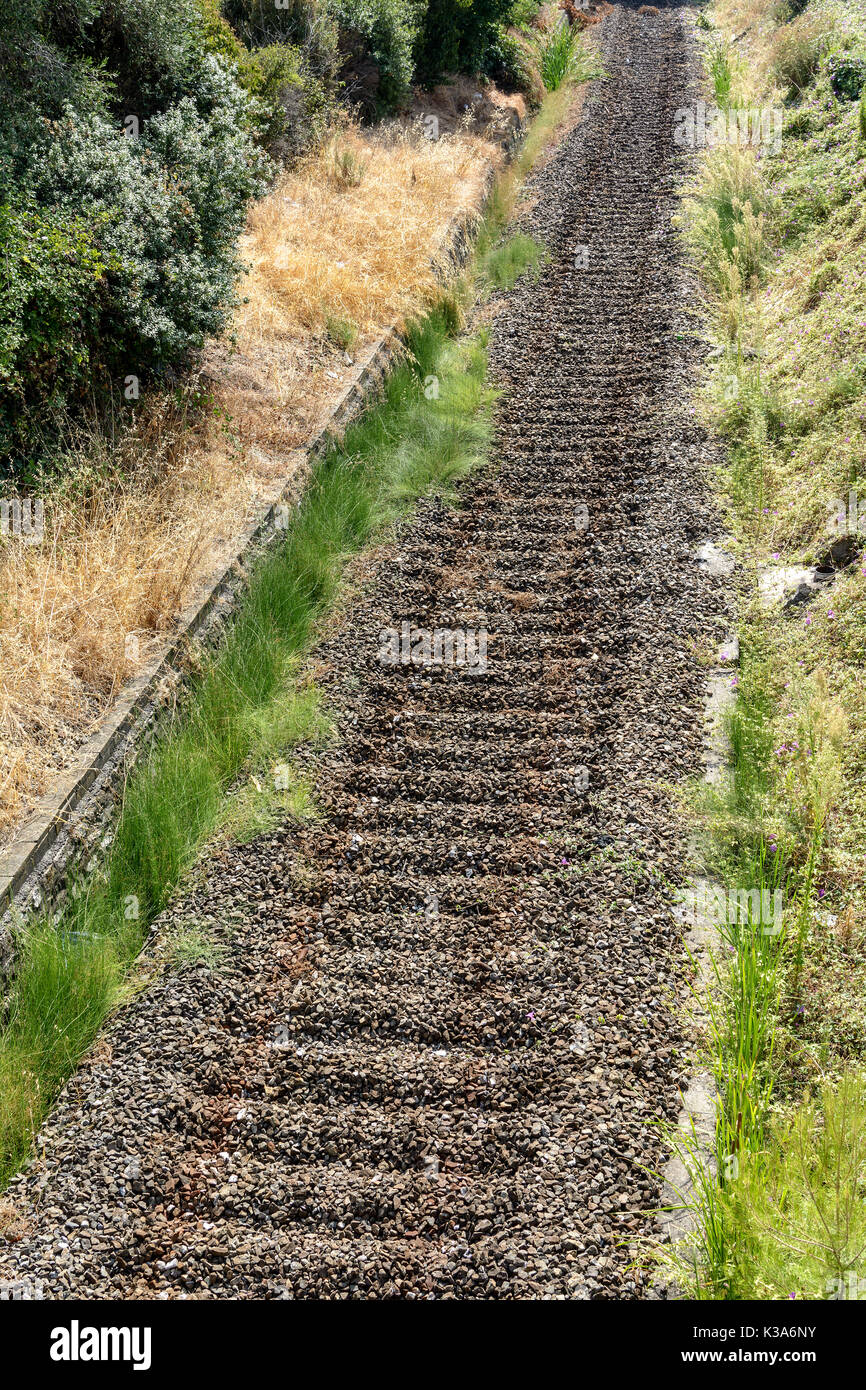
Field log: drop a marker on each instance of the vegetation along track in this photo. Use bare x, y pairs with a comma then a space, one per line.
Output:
445, 1017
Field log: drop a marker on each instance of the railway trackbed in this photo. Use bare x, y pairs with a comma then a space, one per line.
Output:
448, 1015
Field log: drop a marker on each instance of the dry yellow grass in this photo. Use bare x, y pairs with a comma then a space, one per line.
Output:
320, 247
141, 520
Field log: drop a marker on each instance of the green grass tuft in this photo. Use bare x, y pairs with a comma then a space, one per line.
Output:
503, 265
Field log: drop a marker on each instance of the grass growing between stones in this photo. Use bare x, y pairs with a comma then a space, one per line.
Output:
778, 238
216, 757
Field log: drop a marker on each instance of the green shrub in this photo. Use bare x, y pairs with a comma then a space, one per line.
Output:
381, 30
721, 71
163, 198
456, 35
150, 279
292, 100
522, 12
509, 63
291, 105
863, 114
822, 280
259, 22
219, 37
786, 10
801, 123
341, 331
51, 298
166, 211
847, 73
307, 25
38, 85
152, 50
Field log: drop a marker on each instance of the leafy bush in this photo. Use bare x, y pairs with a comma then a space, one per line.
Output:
801, 123
152, 49
456, 35
509, 62
38, 85
338, 37
260, 22
863, 114
292, 100
721, 71
786, 10
154, 272
522, 12
166, 211
847, 75
51, 299
306, 25
293, 106
384, 31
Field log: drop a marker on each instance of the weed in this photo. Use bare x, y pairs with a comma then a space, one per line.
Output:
349, 169
501, 266
797, 51
720, 69
556, 56
341, 331
193, 946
